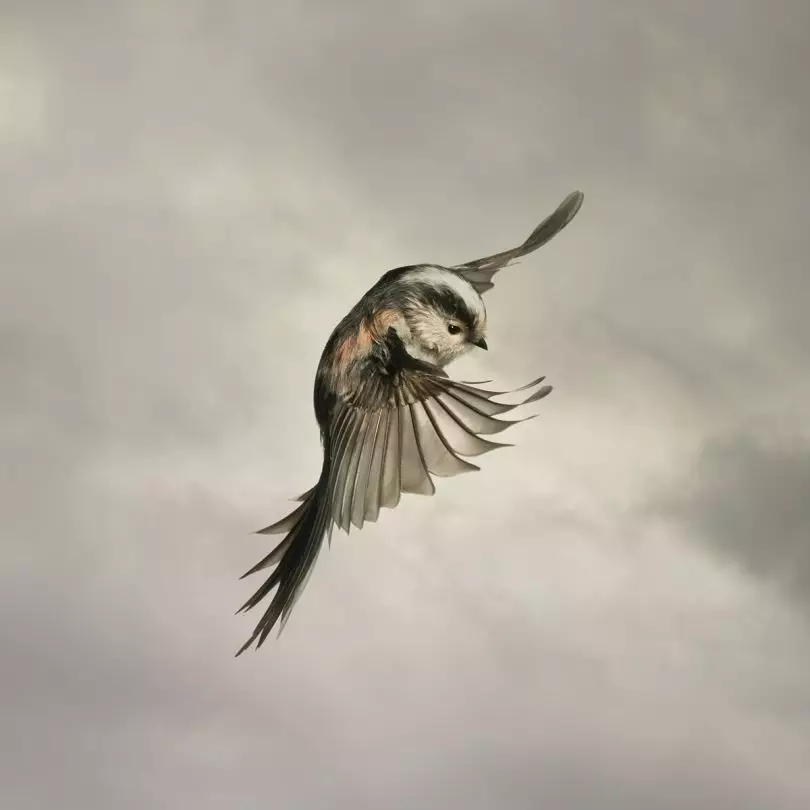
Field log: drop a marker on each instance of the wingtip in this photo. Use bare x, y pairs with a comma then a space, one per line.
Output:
498, 445
576, 197
541, 393
571, 204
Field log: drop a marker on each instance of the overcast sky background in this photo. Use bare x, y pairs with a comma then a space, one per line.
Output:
613, 614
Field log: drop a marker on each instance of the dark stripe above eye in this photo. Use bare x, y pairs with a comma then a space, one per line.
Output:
445, 300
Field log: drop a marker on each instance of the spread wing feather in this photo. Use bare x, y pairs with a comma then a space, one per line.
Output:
479, 272
422, 428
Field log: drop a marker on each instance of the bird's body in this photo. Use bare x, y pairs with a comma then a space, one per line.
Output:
389, 415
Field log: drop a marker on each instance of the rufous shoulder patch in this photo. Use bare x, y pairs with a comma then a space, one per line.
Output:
344, 353
383, 320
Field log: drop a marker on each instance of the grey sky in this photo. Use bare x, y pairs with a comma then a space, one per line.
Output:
613, 613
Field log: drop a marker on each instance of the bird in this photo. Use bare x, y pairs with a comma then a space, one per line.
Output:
389, 415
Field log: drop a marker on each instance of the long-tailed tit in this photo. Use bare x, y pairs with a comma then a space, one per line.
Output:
388, 413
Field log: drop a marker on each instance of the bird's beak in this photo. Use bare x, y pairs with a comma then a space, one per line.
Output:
480, 342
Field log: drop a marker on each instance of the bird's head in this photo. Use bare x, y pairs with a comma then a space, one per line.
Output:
445, 315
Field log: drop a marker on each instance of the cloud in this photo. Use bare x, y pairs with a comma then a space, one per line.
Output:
746, 499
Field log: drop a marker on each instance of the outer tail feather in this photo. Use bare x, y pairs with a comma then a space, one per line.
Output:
293, 557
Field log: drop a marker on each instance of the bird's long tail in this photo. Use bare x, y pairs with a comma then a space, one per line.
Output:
293, 558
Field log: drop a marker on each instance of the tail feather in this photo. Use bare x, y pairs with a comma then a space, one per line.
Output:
288, 521
273, 557
294, 558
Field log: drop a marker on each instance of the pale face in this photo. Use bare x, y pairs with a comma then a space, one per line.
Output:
444, 315
438, 338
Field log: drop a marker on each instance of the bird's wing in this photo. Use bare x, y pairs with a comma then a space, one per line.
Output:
399, 423
403, 424
479, 272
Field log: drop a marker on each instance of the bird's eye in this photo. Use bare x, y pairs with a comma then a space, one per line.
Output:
453, 328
